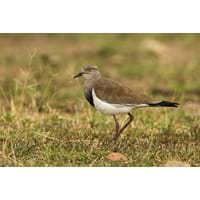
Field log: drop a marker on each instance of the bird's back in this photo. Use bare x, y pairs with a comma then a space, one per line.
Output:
115, 93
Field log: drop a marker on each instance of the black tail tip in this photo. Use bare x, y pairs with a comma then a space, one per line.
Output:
174, 104
165, 104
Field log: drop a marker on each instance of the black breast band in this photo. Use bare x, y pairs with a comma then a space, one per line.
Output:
88, 96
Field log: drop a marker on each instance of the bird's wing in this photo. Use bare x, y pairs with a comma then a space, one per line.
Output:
113, 92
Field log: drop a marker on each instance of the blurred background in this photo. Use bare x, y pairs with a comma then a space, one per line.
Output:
36, 70
46, 121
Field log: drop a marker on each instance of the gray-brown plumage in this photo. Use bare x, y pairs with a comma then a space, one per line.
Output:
112, 98
113, 92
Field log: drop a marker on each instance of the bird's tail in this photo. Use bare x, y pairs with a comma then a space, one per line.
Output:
164, 104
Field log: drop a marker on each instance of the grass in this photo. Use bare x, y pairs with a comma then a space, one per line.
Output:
45, 120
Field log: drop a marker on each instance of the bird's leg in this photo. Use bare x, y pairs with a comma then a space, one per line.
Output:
117, 128
130, 120
119, 131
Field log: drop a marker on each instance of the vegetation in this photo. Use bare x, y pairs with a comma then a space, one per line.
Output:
45, 120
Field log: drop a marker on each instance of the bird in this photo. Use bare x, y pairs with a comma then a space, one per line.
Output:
112, 98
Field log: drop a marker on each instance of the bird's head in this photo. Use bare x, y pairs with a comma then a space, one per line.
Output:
89, 72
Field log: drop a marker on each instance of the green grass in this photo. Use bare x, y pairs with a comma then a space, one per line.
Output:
45, 120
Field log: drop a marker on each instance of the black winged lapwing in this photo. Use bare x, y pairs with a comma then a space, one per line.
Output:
112, 98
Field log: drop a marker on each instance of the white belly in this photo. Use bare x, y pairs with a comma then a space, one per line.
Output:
108, 108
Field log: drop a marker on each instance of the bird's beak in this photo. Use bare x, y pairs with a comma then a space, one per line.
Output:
79, 74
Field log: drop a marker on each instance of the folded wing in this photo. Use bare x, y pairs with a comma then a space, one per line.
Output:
113, 92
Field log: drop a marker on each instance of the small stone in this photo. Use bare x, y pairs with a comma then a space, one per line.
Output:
114, 156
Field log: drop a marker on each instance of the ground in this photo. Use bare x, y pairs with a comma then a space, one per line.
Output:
45, 120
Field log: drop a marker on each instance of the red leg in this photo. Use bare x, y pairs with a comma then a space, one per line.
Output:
118, 130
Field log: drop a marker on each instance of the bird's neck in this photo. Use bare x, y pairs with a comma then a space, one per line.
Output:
89, 83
